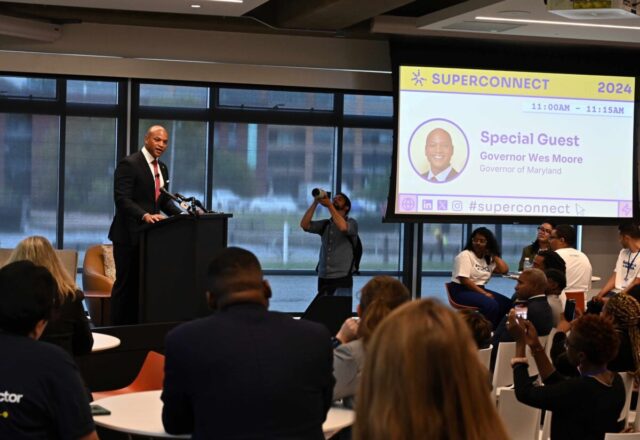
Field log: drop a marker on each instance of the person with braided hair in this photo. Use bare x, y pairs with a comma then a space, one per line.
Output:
624, 312
378, 298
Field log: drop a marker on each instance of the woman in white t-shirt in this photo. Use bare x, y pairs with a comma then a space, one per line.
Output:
472, 270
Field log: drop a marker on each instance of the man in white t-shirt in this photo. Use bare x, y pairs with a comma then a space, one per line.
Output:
563, 240
626, 273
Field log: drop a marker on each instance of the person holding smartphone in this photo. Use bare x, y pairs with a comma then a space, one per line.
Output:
472, 270
584, 407
531, 304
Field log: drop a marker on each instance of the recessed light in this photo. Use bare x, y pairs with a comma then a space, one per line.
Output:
195, 6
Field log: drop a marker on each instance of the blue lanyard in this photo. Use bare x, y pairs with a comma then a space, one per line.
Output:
629, 264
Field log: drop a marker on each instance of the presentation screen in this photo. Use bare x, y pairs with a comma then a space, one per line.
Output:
488, 143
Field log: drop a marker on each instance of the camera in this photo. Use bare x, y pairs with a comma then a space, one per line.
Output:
318, 193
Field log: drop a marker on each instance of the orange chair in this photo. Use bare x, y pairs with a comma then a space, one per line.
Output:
578, 297
454, 304
149, 378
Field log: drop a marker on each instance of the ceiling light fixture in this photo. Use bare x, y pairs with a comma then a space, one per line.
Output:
194, 6
557, 23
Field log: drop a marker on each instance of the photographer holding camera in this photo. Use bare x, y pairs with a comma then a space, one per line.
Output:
336, 261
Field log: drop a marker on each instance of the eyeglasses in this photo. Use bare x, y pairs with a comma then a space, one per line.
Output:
548, 231
479, 240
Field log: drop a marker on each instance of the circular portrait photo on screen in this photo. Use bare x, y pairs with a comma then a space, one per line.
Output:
438, 150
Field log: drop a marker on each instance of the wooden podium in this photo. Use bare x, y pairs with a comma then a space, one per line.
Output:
174, 256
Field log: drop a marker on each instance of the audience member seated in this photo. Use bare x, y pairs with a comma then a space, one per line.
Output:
41, 392
585, 407
556, 282
69, 326
422, 379
624, 312
626, 273
472, 270
245, 372
578, 273
480, 327
378, 298
541, 243
530, 297
549, 260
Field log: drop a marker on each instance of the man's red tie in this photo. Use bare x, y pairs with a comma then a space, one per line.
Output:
156, 174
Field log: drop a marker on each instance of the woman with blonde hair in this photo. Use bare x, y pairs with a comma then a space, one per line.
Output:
68, 326
422, 378
378, 298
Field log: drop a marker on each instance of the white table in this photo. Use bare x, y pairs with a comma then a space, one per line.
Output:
103, 342
141, 414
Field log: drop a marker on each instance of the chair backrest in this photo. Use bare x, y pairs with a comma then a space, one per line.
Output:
620, 436
94, 276
627, 379
547, 347
452, 302
521, 421
502, 370
485, 355
151, 373
68, 257
546, 426
331, 311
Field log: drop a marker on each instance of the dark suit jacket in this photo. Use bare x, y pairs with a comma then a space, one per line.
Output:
538, 312
452, 174
134, 194
247, 373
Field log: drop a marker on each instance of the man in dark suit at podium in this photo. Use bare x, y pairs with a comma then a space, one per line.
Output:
137, 182
245, 372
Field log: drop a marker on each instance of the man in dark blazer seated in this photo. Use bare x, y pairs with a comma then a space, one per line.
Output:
136, 187
438, 150
245, 372
531, 290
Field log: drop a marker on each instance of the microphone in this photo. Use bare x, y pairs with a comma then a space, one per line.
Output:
173, 197
167, 193
186, 199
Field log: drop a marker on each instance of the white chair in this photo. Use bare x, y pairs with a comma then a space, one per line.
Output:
549, 342
502, 371
521, 421
545, 434
627, 379
621, 436
485, 356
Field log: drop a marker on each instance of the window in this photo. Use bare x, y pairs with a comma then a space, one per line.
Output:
275, 99
366, 171
264, 175
92, 92
27, 88
367, 105
29, 153
158, 95
89, 165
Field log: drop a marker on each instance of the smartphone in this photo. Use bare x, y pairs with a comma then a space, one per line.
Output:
521, 311
97, 410
570, 310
